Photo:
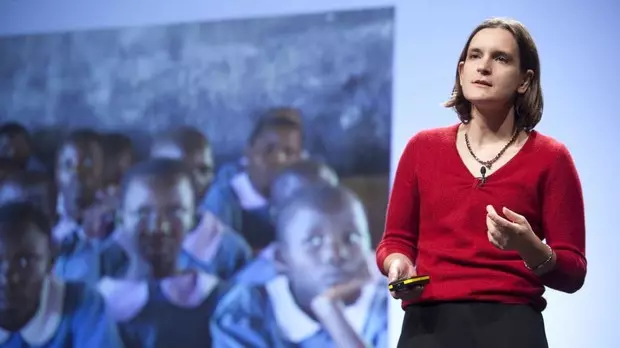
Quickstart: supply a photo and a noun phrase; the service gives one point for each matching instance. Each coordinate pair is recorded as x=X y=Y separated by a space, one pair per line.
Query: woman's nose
x=484 y=68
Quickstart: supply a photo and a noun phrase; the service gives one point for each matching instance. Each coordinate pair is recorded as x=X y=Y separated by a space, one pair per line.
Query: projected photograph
x=217 y=183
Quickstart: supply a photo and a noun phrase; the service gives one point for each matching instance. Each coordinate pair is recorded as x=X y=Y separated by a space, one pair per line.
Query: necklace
x=488 y=164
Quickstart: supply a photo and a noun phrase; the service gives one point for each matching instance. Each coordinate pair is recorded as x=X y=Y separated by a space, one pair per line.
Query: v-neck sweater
x=437 y=210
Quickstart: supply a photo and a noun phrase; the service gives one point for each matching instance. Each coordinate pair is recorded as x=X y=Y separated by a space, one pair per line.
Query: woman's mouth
x=483 y=83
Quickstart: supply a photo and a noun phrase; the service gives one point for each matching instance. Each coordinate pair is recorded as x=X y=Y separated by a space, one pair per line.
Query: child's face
x=14 y=147
x=272 y=150
x=199 y=161
x=321 y=250
x=79 y=172
x=38 y=194
x=25 y=260
x=159 y=214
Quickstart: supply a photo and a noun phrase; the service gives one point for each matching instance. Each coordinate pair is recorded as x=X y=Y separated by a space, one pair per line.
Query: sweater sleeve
x=564 y=224
x=401 y=226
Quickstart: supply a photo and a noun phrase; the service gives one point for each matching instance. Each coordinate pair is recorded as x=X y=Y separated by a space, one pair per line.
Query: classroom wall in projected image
x=279 y=129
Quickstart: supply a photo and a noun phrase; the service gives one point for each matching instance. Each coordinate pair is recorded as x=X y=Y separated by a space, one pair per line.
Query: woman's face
x=491 y=74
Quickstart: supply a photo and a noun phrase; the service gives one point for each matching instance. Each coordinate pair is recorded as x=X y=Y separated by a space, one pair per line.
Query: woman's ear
x=527 y=81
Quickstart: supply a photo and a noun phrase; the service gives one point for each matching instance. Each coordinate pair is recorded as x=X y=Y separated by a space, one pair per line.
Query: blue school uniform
x=153 y=314
x=70 y=315
x=267 y=316
x=216 y=248
x=83 y=259
x=260 y=270
x=238 y=205
x=223 y=176
x=228 y=170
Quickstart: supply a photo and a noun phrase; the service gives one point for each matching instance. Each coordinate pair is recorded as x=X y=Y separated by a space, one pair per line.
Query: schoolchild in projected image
x=16 y=144
x=159 y=302
x=304 y=173
x=221 y=250
x=326 y=296
x=242 y=202
x=37 y=309
x=86 y=213
x=119 y=155
x=37 y=188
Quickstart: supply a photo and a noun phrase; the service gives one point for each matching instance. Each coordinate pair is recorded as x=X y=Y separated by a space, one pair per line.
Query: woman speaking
x=490 y=209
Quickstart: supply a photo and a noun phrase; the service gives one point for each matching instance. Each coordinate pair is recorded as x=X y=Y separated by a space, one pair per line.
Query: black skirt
x=472 y=325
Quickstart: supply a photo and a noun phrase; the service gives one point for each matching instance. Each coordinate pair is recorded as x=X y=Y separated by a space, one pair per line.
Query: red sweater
x=436 y=216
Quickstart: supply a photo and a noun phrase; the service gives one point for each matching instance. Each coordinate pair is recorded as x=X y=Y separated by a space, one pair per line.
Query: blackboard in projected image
x=336 y=67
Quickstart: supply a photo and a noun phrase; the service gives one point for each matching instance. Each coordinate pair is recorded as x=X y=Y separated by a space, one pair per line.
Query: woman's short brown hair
x=528 y=106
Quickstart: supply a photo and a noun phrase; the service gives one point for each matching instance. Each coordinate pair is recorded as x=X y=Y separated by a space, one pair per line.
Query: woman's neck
x=490 y=127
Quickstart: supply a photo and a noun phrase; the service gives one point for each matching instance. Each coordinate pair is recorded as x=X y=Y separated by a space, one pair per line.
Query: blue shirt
x=83 y=259
x=216 y=248
x=237 y=204
x=149 y=317
x=267 y=316
x=82 y=323
x=260 y=270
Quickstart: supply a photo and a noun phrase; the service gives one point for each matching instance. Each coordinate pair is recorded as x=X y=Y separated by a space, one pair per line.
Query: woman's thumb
x=394 y=271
